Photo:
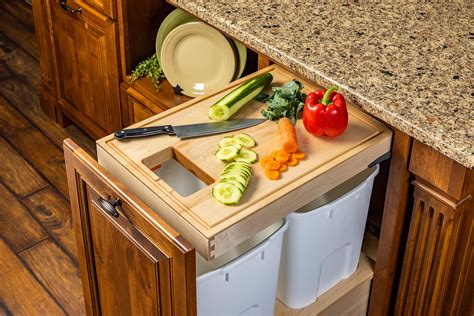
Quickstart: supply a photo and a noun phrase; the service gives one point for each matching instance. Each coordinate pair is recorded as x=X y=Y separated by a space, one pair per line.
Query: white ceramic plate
x=198 y=58
x=172 y=20
x=242 y=57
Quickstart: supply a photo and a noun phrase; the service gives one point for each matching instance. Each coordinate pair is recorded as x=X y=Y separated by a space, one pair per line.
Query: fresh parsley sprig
x=151 y=68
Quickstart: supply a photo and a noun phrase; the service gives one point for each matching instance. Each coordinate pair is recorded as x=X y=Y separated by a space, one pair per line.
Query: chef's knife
x=188 y=131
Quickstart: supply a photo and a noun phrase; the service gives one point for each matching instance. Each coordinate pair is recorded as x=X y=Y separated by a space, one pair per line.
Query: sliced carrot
x=298 y=155
x=282 y=156
x=272 y=174
x=272 y=165
x=292 y=161
x=266 y=159
x=275 y=153
x=283 y=167
x=287 y=135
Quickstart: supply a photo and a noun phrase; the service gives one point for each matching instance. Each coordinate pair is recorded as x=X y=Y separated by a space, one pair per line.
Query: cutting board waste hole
x=178 y=172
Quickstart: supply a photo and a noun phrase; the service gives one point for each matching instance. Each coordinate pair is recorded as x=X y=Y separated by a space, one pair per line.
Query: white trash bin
x=243 y=281
x=323 y=241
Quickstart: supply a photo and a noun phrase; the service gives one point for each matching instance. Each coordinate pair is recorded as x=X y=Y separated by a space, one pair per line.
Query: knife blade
x=188 y=131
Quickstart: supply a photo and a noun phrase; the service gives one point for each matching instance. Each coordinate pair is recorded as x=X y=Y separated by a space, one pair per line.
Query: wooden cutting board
x=213 y=227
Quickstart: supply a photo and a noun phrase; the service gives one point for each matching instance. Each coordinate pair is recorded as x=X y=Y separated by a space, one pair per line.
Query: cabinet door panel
x=107 y=7
x=88 y=80
x=132 y=263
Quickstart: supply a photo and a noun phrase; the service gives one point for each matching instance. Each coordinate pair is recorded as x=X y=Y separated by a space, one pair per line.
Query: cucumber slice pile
x=235 y=148
x=227 y=153
x=233 y=181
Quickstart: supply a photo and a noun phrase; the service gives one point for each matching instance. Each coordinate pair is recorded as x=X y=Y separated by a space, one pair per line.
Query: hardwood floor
x=38 y=272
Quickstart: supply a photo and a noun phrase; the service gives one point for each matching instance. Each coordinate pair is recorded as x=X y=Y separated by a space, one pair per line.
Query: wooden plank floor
x=38 y=268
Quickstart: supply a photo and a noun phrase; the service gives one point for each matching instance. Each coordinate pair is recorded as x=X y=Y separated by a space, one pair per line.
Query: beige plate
x=198 y=58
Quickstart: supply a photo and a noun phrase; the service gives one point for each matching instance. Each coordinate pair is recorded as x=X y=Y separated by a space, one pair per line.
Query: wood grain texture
x=143 y=91
x=21 y=11
x=17 y=31
x=11 y=121
x=4 y=72
x=107 y=7
x=436 y=277
x=87 y=75
x=178 y=269
x=85 y=141
x=53 y=211
x=388 y=265
x=44 y=155
x=16 y=173
x=349 y=297
x=25 y=100
x=44 y=32
x=59 y=276
x=18 y=228
x=130 y=287
x=23 y=295
x=196 y=215
x=263 y=61
x=448 y=174
x=20 y=63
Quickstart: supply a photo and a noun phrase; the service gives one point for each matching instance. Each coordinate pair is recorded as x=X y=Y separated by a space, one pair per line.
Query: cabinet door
x=131 y=261
x=108 y=7
x=87 y=68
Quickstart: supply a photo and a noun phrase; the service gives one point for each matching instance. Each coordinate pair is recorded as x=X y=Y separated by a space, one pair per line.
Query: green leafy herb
x=285 y=101
x=150 y=68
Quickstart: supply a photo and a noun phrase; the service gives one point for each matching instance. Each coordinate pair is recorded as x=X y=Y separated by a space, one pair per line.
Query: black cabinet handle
x=109 y=206
x=63 y=4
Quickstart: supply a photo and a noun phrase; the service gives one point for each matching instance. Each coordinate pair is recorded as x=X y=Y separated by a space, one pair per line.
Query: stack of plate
x=196 y=56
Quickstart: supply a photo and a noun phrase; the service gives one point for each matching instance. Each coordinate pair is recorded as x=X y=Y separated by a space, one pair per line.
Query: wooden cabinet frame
x=149 y=236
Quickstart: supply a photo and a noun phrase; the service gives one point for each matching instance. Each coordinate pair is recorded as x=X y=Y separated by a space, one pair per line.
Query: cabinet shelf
x=164 y=96
x=142 y=100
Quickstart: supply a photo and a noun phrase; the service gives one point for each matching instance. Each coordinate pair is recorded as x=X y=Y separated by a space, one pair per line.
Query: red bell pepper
x=325 y=113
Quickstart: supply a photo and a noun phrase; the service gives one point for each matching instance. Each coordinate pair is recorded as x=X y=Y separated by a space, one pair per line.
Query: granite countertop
x=409 y=65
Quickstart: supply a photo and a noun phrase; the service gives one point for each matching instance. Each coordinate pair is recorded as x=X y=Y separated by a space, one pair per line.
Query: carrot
x=272 y=165
x=287 y=135
x=272 y=174
x=292 y=161
x=266 y=159
x=298 y=155
x=275 y=153
x=283 y=167
x=281 y=156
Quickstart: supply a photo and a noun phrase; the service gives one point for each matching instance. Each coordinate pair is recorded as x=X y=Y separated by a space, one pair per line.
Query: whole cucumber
x=223 y=109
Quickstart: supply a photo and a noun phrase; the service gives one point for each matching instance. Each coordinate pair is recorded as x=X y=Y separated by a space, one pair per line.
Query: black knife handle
x=144 y=131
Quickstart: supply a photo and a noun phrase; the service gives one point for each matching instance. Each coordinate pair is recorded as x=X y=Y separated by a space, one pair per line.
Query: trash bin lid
x=203 y=266
x=338 y=191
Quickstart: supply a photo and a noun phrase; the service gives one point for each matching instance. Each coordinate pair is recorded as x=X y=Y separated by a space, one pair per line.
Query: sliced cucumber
x=234 y=166
x=227 y=153
x=234 y=182
x=226 y=107
x=226 y=193
x=229 y=141
x=236 y=177
x=246 y=155
x=246 y=173
x=245 y=140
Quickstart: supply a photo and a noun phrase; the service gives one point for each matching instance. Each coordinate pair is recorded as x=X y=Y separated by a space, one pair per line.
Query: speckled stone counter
x=409 y=65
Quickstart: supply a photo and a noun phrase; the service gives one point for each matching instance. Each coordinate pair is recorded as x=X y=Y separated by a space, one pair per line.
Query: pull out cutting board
x=210 y=226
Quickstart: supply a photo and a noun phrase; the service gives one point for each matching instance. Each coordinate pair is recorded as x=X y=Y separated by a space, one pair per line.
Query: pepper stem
x=326 y=96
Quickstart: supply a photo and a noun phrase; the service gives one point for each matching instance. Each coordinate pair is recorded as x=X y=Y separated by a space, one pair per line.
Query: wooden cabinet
x=87 y=68
x=87 y=49
x=107 y=7
x=131 y=261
